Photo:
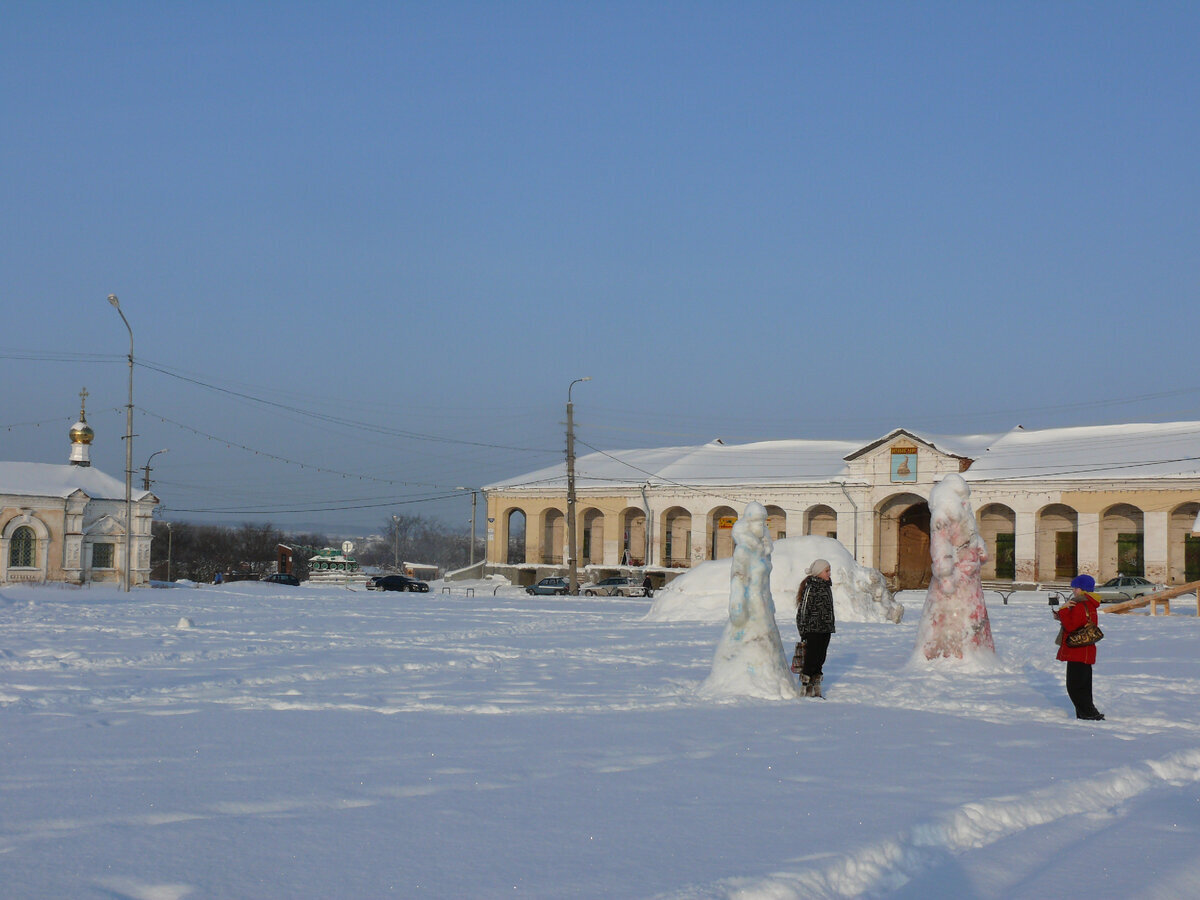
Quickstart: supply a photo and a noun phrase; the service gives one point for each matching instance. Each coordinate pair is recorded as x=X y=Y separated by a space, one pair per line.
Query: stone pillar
x=701 y=538
x=535 y=526
x=1157 y=527
x=1089 y=544
x=1026 y=545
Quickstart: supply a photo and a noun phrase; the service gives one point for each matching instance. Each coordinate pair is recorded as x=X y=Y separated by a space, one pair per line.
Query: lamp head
x=112 y=298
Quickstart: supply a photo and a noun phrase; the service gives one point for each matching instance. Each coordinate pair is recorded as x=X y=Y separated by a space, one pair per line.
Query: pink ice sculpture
x=954 y=622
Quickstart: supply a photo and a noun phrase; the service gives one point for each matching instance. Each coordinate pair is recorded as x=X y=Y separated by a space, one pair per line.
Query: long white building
x=1109 y=499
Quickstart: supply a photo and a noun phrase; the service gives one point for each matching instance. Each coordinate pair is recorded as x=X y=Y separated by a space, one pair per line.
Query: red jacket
x=1085 y=607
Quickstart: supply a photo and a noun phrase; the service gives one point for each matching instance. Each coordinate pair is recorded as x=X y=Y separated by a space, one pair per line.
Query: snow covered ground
x=323 y=742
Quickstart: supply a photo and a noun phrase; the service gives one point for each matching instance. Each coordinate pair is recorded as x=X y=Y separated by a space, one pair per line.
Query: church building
x=66 y=523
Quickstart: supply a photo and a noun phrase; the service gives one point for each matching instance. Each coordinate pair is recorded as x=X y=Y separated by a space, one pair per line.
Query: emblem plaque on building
x=904 y=464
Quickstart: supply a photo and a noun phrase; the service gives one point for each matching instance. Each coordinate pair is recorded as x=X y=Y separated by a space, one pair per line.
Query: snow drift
x=702 y=594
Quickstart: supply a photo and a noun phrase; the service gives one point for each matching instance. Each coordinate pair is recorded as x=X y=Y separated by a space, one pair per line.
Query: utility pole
x=572 y=572
x=474 y=495
x=127 y=573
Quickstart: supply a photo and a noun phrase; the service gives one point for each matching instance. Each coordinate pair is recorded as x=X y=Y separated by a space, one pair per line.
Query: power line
x=337 y=420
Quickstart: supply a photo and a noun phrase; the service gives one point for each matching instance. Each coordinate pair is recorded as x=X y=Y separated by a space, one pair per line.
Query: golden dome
x=81 y=433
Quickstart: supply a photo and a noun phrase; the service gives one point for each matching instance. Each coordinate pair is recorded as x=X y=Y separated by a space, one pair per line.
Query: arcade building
x=1106 y=500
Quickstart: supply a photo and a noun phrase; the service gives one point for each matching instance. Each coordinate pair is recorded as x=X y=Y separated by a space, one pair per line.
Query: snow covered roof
x=28 y=479
x=708 y=464
x=1163 y=450
x=1159 y=450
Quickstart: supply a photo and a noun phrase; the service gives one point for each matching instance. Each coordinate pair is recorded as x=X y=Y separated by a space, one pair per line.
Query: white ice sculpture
x=954 y=623
x=750 y=661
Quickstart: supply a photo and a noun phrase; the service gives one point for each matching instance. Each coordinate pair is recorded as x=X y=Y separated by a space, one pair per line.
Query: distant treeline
x=198 y=552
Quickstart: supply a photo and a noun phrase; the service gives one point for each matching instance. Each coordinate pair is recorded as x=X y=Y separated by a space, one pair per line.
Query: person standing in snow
x=1075 y=612
x=815 y=622
x=647 y=586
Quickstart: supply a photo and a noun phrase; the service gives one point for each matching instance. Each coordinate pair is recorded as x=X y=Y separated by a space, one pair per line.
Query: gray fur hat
x=818 y=566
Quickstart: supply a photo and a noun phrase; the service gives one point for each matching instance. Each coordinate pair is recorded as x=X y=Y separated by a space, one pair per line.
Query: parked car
x=548 y=586
x=397 y=583
x=1125 y=587
x=282 y=578
x=617 y=586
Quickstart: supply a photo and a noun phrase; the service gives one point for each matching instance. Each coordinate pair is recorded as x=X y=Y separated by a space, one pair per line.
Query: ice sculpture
x=954 y=622
x=750 y=661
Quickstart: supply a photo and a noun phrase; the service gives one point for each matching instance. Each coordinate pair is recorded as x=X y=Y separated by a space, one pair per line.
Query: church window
x=102 y=556
x=20 y=549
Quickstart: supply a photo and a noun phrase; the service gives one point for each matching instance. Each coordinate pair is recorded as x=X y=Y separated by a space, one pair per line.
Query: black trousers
x=816 y=645
x=1079 y=688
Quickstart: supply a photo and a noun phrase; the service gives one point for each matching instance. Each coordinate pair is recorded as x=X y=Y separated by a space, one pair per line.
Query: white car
x=617 y=586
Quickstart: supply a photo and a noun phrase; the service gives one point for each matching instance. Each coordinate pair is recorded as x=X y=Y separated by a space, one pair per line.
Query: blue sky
x=381 y=239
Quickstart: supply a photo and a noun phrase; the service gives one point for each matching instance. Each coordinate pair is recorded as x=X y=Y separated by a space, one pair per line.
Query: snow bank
x=859 y=593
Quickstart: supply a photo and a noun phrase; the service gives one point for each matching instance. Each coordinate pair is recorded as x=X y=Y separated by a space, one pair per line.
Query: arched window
x=21 y=547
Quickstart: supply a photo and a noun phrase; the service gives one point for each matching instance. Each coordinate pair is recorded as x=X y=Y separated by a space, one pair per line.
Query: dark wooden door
x=914 y=568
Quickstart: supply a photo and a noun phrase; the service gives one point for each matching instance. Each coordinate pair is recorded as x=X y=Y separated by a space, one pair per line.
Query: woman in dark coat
x=815 y=622
x=1081 y=607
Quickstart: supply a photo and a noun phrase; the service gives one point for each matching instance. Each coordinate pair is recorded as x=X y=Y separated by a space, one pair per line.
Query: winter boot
x=804 y=685
x=814 y=687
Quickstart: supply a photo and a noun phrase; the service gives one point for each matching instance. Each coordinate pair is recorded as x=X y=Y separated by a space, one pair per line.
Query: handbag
x=798 y=658
x=1084 y=636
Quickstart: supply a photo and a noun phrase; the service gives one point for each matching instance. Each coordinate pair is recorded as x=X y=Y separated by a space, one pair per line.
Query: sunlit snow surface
x=253 y=740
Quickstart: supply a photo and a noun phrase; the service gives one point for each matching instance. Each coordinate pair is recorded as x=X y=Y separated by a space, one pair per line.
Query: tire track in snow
x=888 y=865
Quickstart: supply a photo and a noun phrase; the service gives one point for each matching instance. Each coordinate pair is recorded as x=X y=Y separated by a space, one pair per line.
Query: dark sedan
x=282 y=578
x=397 y=583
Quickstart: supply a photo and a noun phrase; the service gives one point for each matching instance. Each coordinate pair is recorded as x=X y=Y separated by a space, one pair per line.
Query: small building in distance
x=66 y=523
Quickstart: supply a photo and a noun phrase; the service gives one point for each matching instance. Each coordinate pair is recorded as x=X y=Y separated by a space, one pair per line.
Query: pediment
x=105 y=526
x=901 y=439
x=903 y=457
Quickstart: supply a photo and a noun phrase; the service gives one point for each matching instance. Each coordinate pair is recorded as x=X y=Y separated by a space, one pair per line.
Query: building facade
x=66 y=523
x=1108 y=500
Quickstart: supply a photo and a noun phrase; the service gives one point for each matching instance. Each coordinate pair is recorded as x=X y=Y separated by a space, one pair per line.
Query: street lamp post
x=146 y=469
x=572 y=573
x=170 y=535
x=474 y=496
x=396 y=543
x=127 y=575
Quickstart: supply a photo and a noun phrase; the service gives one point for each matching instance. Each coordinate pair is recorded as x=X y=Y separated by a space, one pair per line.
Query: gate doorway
x=1130 y=554
x=1191 y=558
x=1006 y=555
x=914 y=568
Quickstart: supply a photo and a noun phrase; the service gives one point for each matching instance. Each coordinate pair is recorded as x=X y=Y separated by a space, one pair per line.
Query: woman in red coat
x=1073 y=614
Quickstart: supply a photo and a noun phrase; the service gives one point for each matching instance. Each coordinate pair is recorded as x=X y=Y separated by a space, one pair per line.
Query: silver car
x=1125 y=587
x=617 y=586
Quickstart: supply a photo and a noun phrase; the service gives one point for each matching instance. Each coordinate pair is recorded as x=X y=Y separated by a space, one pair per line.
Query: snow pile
x=749 y=661
x=859 y=592
x=954 y=623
